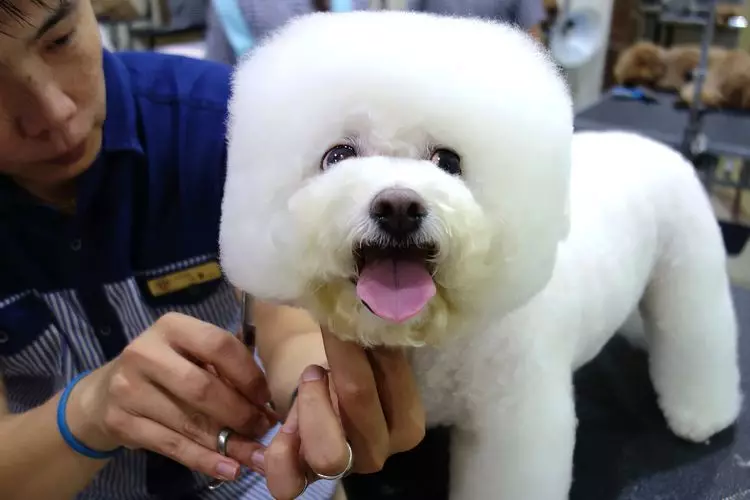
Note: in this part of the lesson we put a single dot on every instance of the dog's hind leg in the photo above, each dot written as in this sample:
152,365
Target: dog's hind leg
690,322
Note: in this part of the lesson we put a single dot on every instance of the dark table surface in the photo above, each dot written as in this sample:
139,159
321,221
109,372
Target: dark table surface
624,450
728,132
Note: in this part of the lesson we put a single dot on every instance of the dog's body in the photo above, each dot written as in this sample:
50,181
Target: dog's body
507,388
423,197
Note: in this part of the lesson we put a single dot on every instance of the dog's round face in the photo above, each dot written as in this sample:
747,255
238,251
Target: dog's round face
400,175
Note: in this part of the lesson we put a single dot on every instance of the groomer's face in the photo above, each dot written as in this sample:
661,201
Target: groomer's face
52,98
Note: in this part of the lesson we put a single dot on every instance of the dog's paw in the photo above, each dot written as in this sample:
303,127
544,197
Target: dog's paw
699,423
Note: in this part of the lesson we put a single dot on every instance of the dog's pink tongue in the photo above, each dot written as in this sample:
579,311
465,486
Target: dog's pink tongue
395,290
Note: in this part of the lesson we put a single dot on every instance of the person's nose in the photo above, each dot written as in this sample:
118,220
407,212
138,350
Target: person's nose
46,113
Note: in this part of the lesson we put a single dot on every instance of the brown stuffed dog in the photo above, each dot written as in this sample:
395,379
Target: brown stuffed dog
640,64
727,83
647,64
681,61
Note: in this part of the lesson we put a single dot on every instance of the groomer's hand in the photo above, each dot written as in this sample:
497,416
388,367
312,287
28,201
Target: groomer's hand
369,398
171,391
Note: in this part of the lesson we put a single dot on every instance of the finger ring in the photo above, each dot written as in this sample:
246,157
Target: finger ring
346,470
221,447
221,440
304,487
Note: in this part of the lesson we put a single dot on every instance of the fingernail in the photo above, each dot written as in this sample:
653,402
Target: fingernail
290,426
227,470
258,459
313,373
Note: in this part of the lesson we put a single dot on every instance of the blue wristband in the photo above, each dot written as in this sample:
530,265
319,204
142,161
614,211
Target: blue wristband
68,436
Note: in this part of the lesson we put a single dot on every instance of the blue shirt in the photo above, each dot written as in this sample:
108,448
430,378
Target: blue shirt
76,289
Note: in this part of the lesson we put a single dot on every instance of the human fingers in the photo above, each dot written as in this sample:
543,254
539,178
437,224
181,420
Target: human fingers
148,401
138,432
399,397
212,345
193,386
358,403
323,441
284,471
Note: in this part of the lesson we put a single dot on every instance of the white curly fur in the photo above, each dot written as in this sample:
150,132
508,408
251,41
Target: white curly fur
548,242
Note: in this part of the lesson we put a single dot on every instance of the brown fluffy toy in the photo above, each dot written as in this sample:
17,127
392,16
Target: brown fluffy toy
640,64
727,83
680,62
649,65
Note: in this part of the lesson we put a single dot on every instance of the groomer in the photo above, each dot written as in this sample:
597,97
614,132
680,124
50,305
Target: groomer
120,378
233,27
527,14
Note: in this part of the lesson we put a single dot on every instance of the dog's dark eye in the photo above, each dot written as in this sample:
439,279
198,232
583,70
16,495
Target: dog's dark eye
337,154
447,160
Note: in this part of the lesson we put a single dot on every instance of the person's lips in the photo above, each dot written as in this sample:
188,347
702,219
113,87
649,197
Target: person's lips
71,156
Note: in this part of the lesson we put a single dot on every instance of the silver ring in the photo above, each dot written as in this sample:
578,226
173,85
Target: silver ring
221,446
222,439
304,487
349,465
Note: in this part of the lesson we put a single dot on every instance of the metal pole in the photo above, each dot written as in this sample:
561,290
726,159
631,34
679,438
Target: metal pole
691,139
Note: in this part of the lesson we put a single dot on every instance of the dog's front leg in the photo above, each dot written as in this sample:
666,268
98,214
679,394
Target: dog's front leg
521,446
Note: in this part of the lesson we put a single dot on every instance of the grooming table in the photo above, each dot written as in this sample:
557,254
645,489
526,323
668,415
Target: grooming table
624,450
727,134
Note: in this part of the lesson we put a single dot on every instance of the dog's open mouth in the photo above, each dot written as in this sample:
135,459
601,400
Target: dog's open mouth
395,282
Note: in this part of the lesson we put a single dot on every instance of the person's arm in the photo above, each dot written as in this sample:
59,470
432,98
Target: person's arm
35,462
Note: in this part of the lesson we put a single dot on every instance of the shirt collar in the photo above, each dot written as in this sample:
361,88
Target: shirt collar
120,126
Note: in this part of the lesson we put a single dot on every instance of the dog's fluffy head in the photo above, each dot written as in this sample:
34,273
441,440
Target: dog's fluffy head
397,174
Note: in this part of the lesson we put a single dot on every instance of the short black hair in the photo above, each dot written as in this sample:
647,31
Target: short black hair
11,12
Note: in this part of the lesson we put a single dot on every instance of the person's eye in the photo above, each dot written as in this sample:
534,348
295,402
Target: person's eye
62,41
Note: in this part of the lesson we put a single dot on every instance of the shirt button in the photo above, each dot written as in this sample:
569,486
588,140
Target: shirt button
75,244
4,337
105,331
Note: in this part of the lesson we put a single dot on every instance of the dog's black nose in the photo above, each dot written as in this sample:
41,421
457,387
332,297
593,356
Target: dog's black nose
398,211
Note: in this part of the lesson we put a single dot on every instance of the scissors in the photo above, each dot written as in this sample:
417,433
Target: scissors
247,337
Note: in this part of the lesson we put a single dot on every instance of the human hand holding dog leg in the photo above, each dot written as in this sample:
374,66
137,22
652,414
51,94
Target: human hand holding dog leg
368,401
351,418
378,400
313,444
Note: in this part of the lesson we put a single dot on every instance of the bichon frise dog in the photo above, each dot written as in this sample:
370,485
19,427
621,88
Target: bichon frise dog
414,180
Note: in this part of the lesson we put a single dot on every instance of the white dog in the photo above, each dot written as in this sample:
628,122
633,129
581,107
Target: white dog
414,180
